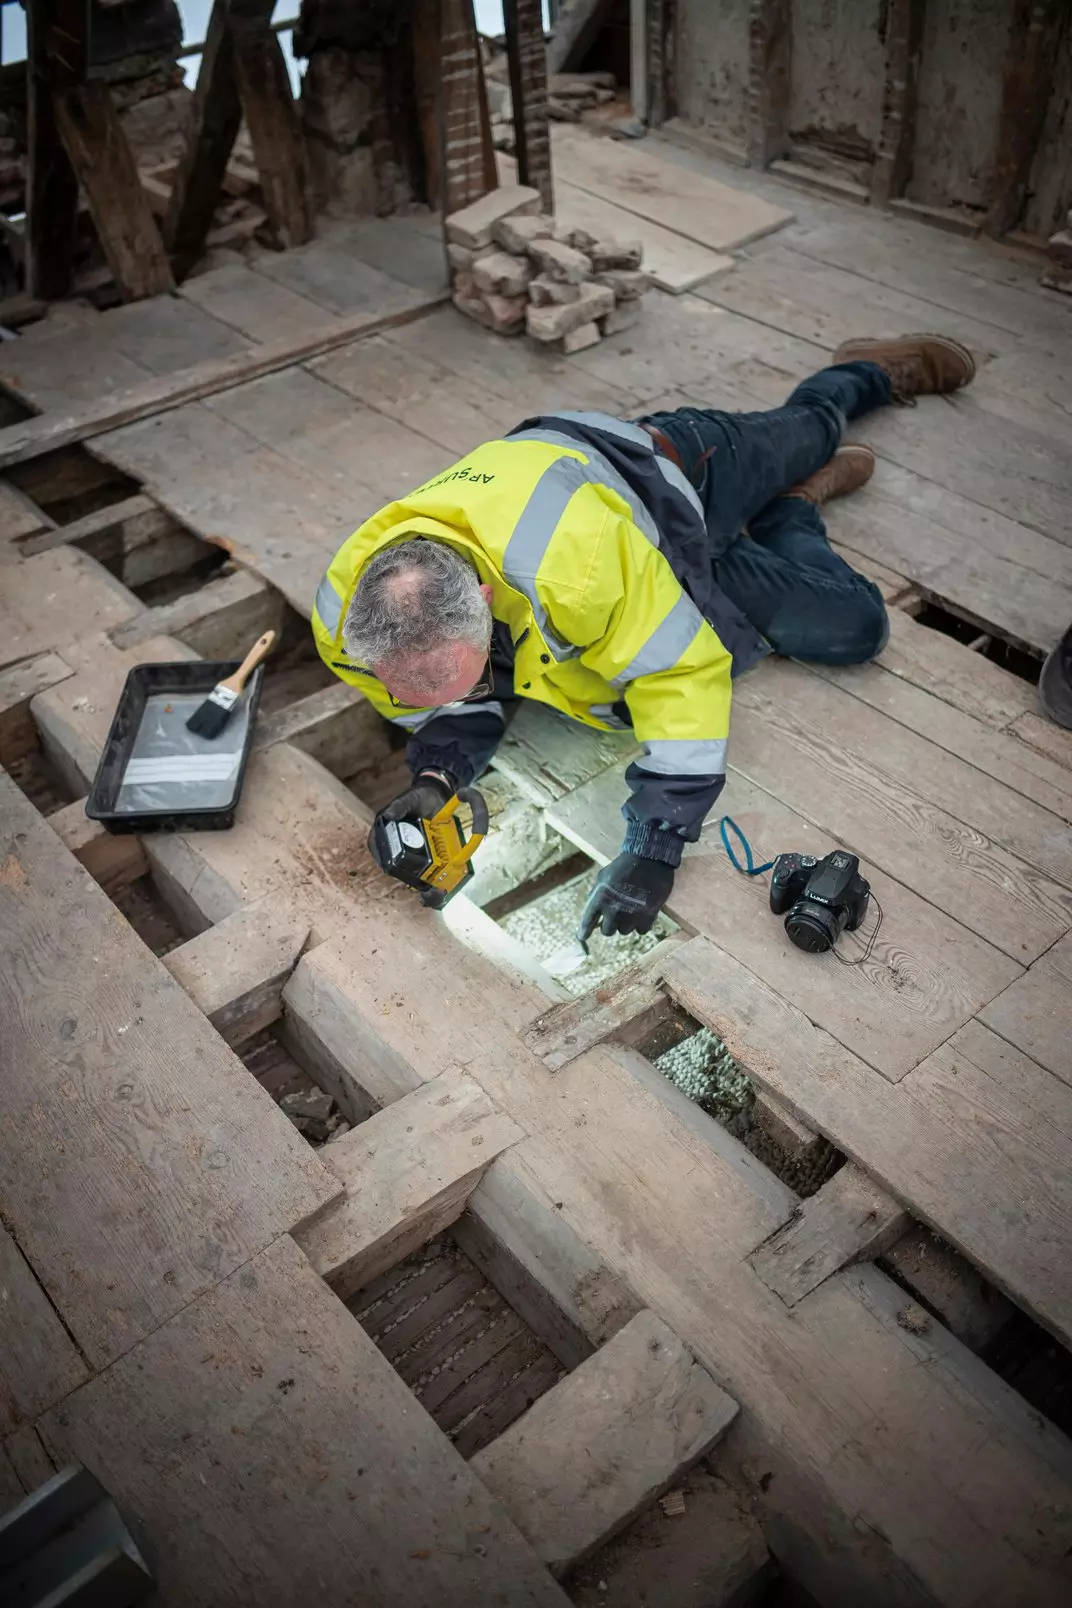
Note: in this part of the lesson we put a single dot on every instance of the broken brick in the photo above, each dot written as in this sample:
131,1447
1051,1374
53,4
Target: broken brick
472,226
500,274
552,322
560,262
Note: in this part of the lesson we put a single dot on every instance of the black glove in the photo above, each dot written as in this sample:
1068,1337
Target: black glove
627,897
427,796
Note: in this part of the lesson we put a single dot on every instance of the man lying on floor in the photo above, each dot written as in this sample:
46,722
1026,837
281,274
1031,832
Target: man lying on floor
622,574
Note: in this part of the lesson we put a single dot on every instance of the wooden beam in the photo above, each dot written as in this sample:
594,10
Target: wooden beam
219,620
58,51
113,859
849,1220
586,1457
101,157
214,125
523,20
770,25
408,1173
1027,81
18,685
624,1009
274,130
336,726
662,39
33,437
38,1360
235,972
108,533
896,143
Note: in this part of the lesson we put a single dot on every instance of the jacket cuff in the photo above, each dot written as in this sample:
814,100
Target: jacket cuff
653,843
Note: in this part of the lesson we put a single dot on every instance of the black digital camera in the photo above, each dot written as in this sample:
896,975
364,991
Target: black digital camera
820,899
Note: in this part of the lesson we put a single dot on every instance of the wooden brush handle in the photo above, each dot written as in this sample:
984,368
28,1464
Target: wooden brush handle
260,650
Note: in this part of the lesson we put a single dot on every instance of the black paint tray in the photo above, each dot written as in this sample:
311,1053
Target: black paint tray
154,775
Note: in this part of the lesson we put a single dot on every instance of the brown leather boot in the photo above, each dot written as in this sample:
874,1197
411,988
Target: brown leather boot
850,468
915,363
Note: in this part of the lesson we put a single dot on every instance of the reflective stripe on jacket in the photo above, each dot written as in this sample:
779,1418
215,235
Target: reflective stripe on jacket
593,608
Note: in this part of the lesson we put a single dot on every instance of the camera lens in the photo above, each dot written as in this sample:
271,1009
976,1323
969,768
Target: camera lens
813,927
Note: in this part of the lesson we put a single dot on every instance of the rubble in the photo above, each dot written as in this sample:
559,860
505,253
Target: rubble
514,268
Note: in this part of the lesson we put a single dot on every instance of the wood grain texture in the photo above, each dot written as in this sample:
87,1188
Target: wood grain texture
96,145
274,131
235,971
112,859
335,725
606,1441
111,410
253,304
19,516
893,158
850,1219
48,599
1040,733
976,1157
1035,1013
218,621
620,1009
262,1419
149,1163
39,1362
670,1216
108,533
408,1173
941,665
991,859
1032,775
18,685
926,974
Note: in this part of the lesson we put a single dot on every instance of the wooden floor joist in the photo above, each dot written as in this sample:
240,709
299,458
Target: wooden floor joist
408,1173
606,1441
849,1220
236,970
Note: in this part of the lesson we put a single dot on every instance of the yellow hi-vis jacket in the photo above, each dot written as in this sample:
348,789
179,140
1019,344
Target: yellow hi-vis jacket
600,626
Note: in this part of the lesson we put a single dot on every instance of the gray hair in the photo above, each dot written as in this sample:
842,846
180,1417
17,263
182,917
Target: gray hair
415,595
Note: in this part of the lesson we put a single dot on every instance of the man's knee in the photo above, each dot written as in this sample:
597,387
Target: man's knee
831,625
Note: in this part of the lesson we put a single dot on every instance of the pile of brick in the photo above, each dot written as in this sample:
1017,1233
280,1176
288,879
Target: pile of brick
514,269
1057,275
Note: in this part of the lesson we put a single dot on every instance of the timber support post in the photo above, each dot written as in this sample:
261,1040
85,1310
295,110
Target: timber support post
770,45
893,159
1027,79
527,53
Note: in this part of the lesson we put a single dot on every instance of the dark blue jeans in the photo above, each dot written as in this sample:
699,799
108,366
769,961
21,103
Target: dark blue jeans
770,552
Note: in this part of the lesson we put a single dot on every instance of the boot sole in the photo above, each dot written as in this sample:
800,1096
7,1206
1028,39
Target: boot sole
918,335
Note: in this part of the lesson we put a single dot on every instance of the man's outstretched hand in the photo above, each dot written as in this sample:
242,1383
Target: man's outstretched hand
627,897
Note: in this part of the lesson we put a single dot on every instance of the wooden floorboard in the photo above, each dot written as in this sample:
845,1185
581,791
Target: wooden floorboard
252,304
262,1442
978,1156
1035,1013
147,1163
927,974
995,862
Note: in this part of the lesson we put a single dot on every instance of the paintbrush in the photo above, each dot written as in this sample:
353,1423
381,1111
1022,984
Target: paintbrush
209,718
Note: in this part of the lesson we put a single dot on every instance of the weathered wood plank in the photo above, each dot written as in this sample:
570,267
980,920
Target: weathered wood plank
668,1214
48,598
214,124
622,1009
274,130
19,684
336,726
112,859
1035,1012
941,665
926,975
850,1219
39,1362
1027,79
1040,733
981,1163
218,621
161,393
20,518
120,1092
108,533
93,136
997,755
253,304
989,858
587,1456
408,1173
235,971
279,1409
